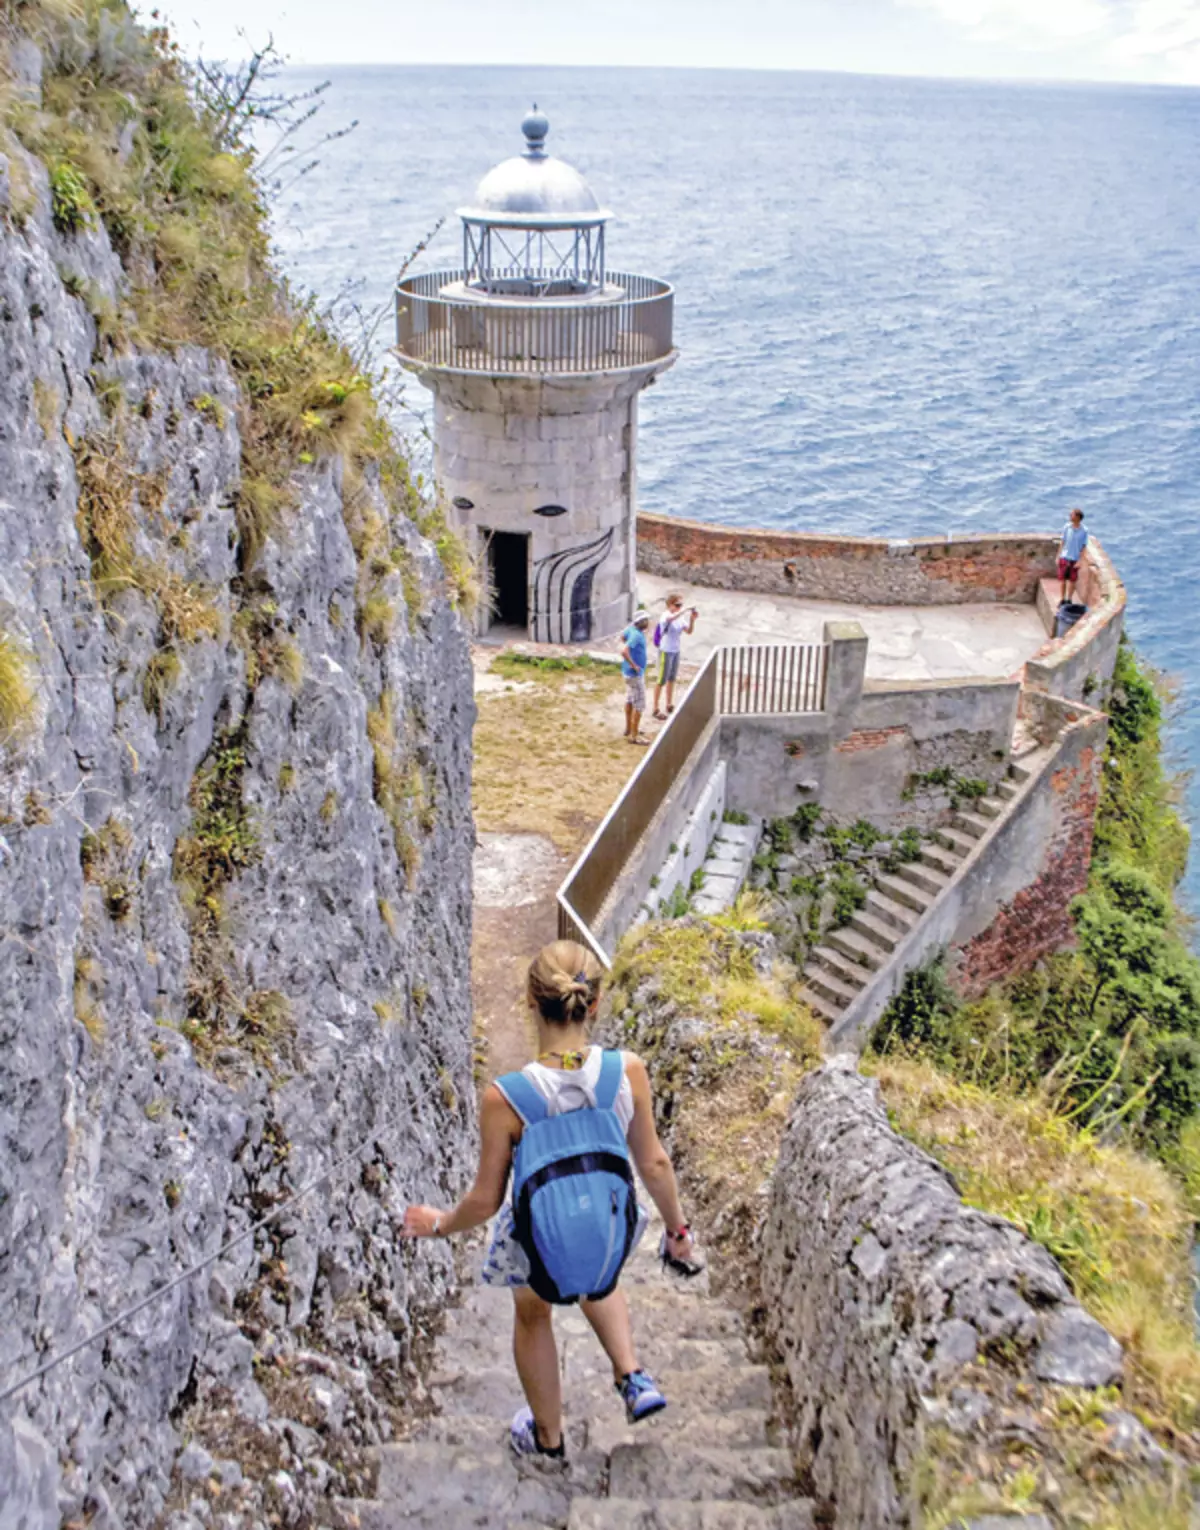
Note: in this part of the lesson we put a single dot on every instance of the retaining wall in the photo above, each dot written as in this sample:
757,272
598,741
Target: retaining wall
858,764
632,885
922,571
1009,902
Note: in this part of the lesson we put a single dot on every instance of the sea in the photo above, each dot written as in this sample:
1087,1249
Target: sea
903,306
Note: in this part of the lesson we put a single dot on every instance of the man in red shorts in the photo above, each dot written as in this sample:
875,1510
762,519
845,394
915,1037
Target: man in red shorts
1074,540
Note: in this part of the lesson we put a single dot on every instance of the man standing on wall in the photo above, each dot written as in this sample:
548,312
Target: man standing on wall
633,667
1074,540
675,622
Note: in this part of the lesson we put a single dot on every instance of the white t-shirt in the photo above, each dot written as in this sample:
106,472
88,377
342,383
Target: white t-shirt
571,1089
672,632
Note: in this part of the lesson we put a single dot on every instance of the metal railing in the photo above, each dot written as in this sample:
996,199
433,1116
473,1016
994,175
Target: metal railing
779,678
732,682
534,335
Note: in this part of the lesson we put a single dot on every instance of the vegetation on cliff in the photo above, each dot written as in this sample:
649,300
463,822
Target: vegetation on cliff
110,135
160,155
1112,1028
1052,1097
714,1012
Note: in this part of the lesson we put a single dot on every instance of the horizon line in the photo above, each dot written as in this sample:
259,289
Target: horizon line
865,74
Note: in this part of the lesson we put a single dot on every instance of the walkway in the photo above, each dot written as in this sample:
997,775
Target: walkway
707,1463
906,642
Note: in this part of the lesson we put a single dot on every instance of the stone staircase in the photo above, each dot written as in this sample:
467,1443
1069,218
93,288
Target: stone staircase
840,969
711,1461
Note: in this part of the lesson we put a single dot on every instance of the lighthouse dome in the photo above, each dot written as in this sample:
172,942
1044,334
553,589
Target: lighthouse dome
534,189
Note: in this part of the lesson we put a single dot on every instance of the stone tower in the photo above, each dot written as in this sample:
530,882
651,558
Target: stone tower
535,353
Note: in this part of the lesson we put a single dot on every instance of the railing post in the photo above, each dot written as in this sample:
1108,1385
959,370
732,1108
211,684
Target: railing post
845,671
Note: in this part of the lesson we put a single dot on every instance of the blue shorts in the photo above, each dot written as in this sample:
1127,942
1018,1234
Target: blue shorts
668,666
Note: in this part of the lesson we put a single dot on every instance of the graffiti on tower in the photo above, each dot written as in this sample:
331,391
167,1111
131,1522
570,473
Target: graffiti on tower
562,592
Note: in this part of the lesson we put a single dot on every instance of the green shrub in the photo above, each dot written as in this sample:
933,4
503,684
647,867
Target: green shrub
849,895
735,815
805,819
862,832
71,204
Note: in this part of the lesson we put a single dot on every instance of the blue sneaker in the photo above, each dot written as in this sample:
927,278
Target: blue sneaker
640,1396
523,1440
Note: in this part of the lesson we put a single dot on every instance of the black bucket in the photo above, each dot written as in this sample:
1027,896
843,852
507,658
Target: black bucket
1069,613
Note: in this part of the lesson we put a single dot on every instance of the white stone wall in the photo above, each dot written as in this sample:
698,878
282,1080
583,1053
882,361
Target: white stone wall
512,445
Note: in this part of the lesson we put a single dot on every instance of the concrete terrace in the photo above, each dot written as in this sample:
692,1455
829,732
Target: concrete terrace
905,642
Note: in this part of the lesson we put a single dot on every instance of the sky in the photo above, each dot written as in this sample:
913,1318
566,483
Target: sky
1147,41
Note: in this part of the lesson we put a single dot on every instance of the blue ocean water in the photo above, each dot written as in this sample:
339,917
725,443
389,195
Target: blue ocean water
903,306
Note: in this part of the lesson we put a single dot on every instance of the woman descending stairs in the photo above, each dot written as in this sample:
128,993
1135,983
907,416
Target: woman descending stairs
711,1461
840,970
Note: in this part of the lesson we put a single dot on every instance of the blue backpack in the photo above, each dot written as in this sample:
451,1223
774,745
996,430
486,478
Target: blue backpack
574,1205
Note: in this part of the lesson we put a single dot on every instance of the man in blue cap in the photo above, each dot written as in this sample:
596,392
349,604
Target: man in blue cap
633,667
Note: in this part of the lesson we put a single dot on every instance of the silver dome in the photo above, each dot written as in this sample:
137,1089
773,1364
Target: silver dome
534,189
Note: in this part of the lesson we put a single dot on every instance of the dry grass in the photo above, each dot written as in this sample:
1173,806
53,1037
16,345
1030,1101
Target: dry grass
549,756
16,689
1116,1221
113,502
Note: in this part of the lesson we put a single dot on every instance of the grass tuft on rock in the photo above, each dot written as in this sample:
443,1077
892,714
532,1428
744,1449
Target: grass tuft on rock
17,692
1116,1221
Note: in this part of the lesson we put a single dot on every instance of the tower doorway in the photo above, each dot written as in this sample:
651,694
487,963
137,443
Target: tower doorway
508,568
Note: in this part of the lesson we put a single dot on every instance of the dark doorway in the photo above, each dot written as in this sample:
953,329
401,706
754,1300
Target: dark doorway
508,564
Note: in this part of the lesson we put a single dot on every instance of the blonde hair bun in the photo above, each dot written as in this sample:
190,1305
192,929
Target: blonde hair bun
564,982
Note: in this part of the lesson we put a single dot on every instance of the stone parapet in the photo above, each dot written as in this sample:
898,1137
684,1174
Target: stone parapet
923,571
1079,665
884,1295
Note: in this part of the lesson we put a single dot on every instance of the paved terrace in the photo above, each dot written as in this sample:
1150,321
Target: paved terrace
906,642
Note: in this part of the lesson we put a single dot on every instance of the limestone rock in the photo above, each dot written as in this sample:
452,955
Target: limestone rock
130,1154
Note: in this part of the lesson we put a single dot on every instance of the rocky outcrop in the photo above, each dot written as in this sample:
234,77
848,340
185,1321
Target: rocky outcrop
235,841
898,1309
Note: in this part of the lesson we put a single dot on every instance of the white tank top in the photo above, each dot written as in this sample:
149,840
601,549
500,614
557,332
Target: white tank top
571,1089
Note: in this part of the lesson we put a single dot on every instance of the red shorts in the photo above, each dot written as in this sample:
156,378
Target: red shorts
1068,571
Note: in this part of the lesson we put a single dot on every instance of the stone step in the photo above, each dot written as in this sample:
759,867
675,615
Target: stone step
649,1471
859,949
682,1514
936,858
851,973
990,807
884,937
605,1427
590,1394
429,1476
693,1423
906,890
663,1356
1021,770
820,980
957,841
891,911
363,1514
974,824
1008,790
820,1006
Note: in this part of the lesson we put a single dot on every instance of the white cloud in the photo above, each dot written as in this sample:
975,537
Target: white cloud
1161,37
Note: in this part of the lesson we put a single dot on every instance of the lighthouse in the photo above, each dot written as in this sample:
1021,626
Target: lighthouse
535,353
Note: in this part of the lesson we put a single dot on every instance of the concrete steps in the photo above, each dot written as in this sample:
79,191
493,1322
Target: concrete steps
844,966
711,1459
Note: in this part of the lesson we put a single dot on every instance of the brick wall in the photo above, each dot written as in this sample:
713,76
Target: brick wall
1038,919
924,571
868,738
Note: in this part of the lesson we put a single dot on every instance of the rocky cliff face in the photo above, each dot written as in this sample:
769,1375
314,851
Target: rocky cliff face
235,843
